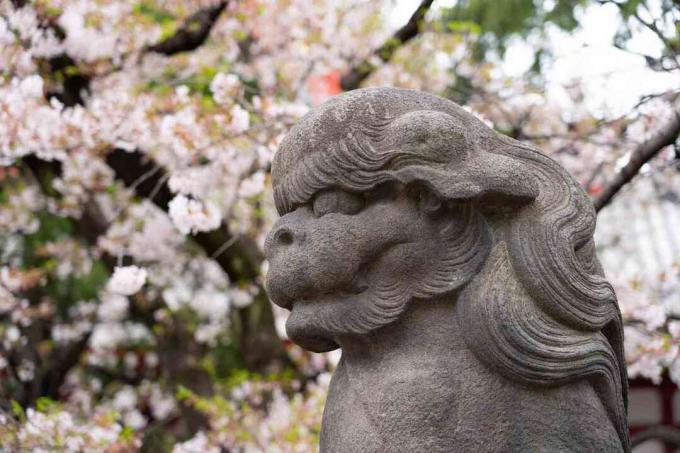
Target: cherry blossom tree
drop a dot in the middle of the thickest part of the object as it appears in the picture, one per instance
(135, 144)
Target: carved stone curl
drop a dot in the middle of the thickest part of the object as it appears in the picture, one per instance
(455, 268)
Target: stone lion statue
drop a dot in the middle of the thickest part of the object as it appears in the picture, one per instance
(456, 270)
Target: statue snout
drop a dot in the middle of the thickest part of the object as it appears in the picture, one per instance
(287, 231)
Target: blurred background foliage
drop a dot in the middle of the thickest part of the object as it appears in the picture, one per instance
(135, 146)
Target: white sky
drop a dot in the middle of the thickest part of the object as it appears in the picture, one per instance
(614, 80)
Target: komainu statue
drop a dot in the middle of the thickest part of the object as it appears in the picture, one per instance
(456, 270)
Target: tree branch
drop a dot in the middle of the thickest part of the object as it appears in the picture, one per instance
(641, 155)
(357, 74)
(253, 326)
(58, 366)
(240, 261)
(191, 35)
(193, 32)
(656, 64)
(261, 348)
(89, 226)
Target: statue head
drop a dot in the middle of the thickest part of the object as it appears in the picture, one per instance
(392, 197)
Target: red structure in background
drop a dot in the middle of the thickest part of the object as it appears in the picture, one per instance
(321, 87)
(651, 405)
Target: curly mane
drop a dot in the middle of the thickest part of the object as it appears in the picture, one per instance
(545, 315)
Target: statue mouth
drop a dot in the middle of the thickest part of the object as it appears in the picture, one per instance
(336, 297)
(356, 288)
(336, 290)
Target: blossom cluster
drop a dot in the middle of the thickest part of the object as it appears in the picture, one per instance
(55, 429)
(208, 123)
(108, 276)
(260, 416)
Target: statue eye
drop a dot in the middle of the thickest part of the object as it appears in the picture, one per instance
(338, 201)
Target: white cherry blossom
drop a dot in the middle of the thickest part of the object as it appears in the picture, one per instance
(127, 280)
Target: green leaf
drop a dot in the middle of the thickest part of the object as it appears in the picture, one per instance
(45, 404)
(156, 439)
(496, 22)
(240, 35)
(18, 411)
(52, 228)
(71, 71)
(75, 288)
(183, 394)
(629, 8)
(168, 29)
(226, 360)
(464, 26)
(128, 433)
(151, 11)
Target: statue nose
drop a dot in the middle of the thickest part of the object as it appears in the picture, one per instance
(284, 236)
(291, 229)
(281, 238)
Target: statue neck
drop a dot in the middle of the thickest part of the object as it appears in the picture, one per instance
(402, 379)
(427, 330)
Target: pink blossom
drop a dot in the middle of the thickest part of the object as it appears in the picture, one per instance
(225, 88)
(240, 119)
(127, 280)
(192, 216)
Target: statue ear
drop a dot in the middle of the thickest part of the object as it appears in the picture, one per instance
(458, 254)
(483, 177)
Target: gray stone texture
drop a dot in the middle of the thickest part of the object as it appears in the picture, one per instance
(455, 268)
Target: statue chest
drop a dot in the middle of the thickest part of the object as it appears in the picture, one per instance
(402, 408)
(421, 407)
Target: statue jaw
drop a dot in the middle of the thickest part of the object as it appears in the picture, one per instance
(310, 321)
(329, 320)
(304, 328)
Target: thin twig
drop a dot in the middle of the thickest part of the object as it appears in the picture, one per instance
(158, 186)
(224, 247)
(144, 177)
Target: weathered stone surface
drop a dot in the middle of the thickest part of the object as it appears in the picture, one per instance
(455, 268)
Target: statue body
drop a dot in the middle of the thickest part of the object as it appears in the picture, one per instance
(429, 393)
(456, 270)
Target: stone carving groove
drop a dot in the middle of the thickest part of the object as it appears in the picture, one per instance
(440, 254)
